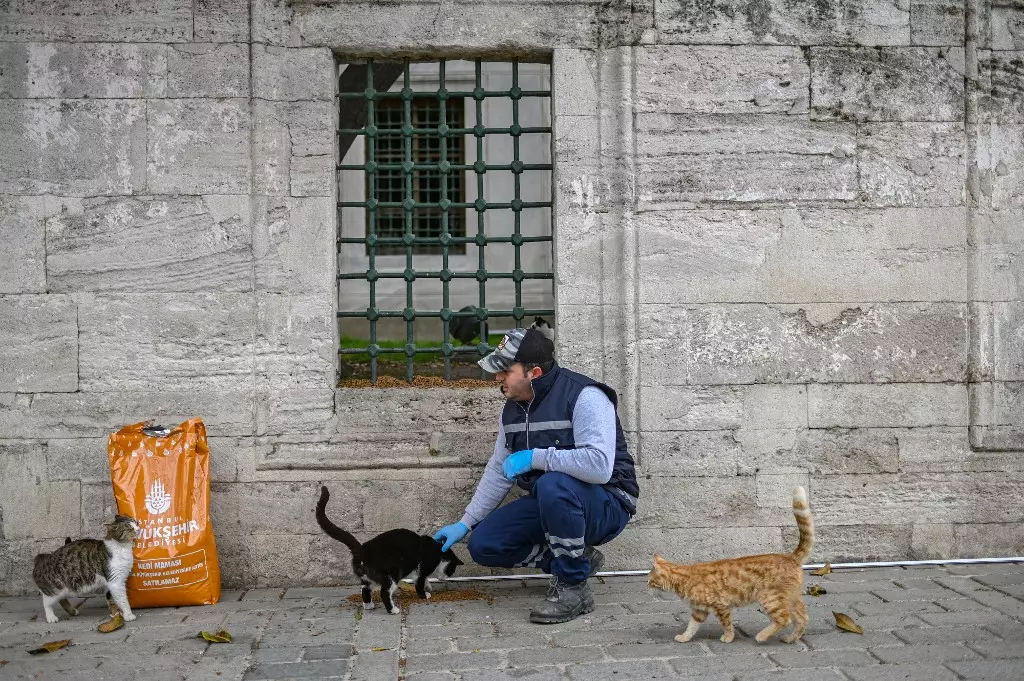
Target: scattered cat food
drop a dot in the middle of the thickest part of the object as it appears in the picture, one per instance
(407, 594)
(823, 570)
(221, 636)
(51, 647)
(815, 590)
(110, 624)
(846, 623)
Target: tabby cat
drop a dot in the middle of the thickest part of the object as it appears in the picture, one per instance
(774, 580)
(88, 566)
(390, 557)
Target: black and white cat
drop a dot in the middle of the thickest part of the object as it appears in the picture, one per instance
(88, 566)
(390, 557)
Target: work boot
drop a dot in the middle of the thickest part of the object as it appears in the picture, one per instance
(568, 602)
(596, 563)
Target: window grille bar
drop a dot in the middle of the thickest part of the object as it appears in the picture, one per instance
(454, 93)
(480, 230)
(443, 182)
(479, 205)
(478, 131)
(410, 201)
(372, 166)
(435, 314)
(371, 150)
(394, 241)
(444, 275)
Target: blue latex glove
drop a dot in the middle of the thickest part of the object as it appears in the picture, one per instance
(451, 534)
(517, 463)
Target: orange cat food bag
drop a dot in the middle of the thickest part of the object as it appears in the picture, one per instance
(161, 478)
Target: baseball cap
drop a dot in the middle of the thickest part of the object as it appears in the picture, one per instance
(529, 346)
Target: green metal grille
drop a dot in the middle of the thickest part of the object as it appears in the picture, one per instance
(414, 170)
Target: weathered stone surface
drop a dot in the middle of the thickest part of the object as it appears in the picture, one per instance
(833, 451)
(1001, 162)
(853, 543)
(293, 243)
(850, 23)
(281, 410)
(81, 459)
(39, 337)
(158, 244)
(948, 450)
(293, 74)
(73, 415)
(632, 550)
(1001, 86)
(73, 148)
(76, 70)
(912, 164)
(399, 410)
(692, 453)
(1006, 27)
(198, 146)
(937, 22)
(814, 343)
(800, 255)
(295, 341)
(294, 148)
(205, 341)
(1000, 340)
(774, 407)
(923, 497)
(886, 406)
(23, 258)
(686, 161)
(33, 507)
(221, 21)
(721, 80)
(894, 84)
(574, 82)
(97, 20)
(999, 266)
(997, 415)
(207, 70)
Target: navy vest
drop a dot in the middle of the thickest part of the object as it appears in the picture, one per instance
(549, 424)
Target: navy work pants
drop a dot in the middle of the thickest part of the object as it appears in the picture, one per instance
(550, 528)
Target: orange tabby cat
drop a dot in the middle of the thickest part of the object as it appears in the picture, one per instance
(774, 580)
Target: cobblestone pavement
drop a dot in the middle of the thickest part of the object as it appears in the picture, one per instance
(956, 622)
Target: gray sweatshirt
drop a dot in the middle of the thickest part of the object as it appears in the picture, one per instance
(593, 430)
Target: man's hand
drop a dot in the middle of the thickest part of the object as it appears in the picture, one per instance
(517, 463)
(451, 534)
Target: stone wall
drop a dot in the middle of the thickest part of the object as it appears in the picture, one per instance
(790, 234)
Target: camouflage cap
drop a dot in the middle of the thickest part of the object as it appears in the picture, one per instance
(529, 346)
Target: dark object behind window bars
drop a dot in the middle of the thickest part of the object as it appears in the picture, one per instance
(443, 176)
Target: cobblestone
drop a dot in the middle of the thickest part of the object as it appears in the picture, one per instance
(959, 624)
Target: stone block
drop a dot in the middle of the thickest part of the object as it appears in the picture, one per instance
(277, 508)
(833, 451)
(742, 159)
(221, 21)
(814, 343)
(141, 21)
(80, 70)
(410, 409)
(33, 507)
(1001, 164)
(887, 406)
(81, 459)
(575, 83)
(1001, 86)
(996, 416)
(892, 84)
(986, 539)
(23, 259)
(999, 330)
(295, 341)
(98, 507)
(72, 147)
(294, 245)
(274, 559)
(295, 148)
(802, 256)
(911, 164)
(705, 502)
(1005, 27)
(854, 23)
(890, 499)
(712, 79)
(271, 22)
(150, 244)
(39, 335)
(692, 453)
(937, 22)
(282, 410)
(207, 70)
(73, 415)
(205, 341)
(198, 146)
(293, 74)
(854, 543)
(757, 407)
(948, 450)
(228, 455)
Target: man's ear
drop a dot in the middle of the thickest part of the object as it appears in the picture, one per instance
(534, 373)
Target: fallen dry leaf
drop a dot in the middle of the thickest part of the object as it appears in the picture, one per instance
(815, 590)
(378, 650)
(823, 570)
(111, 624)
(221, 636)
(51, 647)
(846, 623)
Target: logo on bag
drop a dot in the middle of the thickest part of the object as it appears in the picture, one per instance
(158, 500)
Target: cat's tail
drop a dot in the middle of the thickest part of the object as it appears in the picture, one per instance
(805, 523)
(333, 530)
